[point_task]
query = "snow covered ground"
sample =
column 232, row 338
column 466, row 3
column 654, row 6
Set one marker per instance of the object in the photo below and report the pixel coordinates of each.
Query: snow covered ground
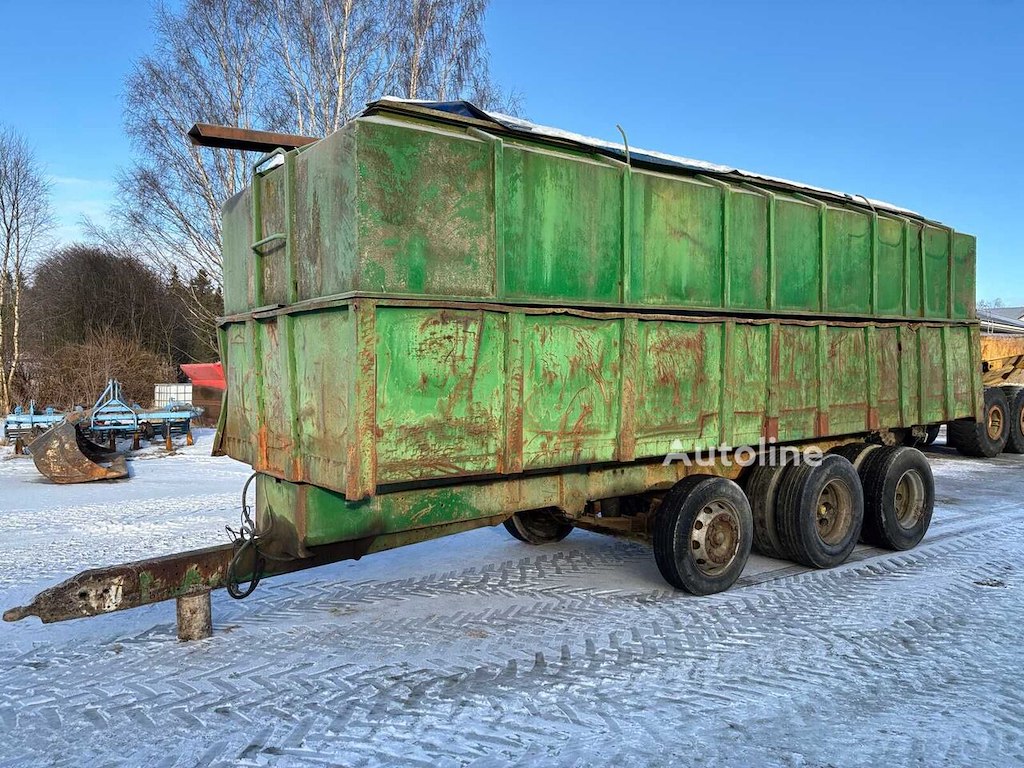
column 481, row 650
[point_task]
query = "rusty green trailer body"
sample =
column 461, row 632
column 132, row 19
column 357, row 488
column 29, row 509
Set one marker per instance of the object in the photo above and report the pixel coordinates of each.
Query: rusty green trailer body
column 397, row 206
column 433, row 321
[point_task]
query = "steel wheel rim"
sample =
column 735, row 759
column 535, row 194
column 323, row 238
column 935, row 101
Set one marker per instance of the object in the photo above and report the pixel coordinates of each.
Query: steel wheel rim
column 994, row 422
column 834, row 512
column 909, row 499
column 715, row 537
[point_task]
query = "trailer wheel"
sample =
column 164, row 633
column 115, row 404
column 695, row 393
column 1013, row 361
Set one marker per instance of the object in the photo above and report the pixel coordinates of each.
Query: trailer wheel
column 1015, row 420
column 899, row 497
column 762, row 490
column 702, row 534
column 933, row 434
column 987, row 437
column 820, row 511
column 539, row 526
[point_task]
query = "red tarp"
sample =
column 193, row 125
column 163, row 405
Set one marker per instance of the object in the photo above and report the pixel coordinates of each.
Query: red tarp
column 206, row 375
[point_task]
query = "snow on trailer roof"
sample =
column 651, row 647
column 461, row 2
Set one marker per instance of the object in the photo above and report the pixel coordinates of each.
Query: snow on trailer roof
column 463, row 111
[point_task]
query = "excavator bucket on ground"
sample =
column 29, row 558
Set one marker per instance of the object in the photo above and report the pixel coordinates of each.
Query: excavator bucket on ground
column 65, row 455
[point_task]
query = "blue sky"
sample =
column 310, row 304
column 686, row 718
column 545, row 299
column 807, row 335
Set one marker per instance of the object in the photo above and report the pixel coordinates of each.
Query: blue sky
column 918, row 103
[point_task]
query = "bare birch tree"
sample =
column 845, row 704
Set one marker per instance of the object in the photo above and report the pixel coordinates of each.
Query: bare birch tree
column 208, row 64
column 300, row 66
column 25, row 220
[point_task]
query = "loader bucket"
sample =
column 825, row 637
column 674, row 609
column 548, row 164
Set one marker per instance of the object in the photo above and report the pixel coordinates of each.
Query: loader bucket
column 65, row 455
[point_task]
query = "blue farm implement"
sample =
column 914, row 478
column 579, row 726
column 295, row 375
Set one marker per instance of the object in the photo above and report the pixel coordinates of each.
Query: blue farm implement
column 113, row 416
column 23, row 423
column 83, row 448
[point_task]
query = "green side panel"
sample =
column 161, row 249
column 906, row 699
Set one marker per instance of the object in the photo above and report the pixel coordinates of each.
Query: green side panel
column 322, row 516
column 324, row 231
column 680, row 259
column 440, row 392
column 748, row 250
column 891, row 268
column 962, row 374
column 910, row 368
column 677, row 386
column 886, row 352
column 964, row 247
column 271, row 261
column 324, row 343
column 570, row 390
column 449, row 393
column 425, row 208
column 562, row 227
column 915, row 270
column 276, row 441
column 746, row 385
column 236, row 237
column 410, row 207
column 797, row 256
column 936, row 272
column 848, row 250
column 797, row 389
column 845, row 379
column 933, row 382
column 243, row 413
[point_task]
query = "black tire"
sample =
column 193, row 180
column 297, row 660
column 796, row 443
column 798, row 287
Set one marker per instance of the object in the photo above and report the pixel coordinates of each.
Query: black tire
column 854, row 452
column 985, row 438
column 933, row 434
column 539, row 526
column 1015, row 419
column 899, row 497
column 696, row 508
column 819, row 511
column 762, row 489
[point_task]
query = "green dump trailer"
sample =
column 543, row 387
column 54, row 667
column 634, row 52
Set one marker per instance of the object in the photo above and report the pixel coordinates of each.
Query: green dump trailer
column 439, row 319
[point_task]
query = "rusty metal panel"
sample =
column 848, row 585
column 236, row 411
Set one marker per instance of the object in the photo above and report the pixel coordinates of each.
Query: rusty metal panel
column 570, row 390
column 849, row 273
column 677, row 386
column 747, row 253
column 932, row 372
column 426, row 211
column 936, row 258
column 324, row 390
column 890, row 255
column 888, row 388
column 324, row 221
column 235, row 253
column 797, row 256
column 678, row 261
column 910, row 369
column 798, row 382
column 962, row 374
column 562, row 227
column 845, row 380
column 412, row 207
column 440, row 393
column 745, row 382
column 964, row 253
column 914, row 268
column 242, row 411
column 271, row 261
column 356, row 394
